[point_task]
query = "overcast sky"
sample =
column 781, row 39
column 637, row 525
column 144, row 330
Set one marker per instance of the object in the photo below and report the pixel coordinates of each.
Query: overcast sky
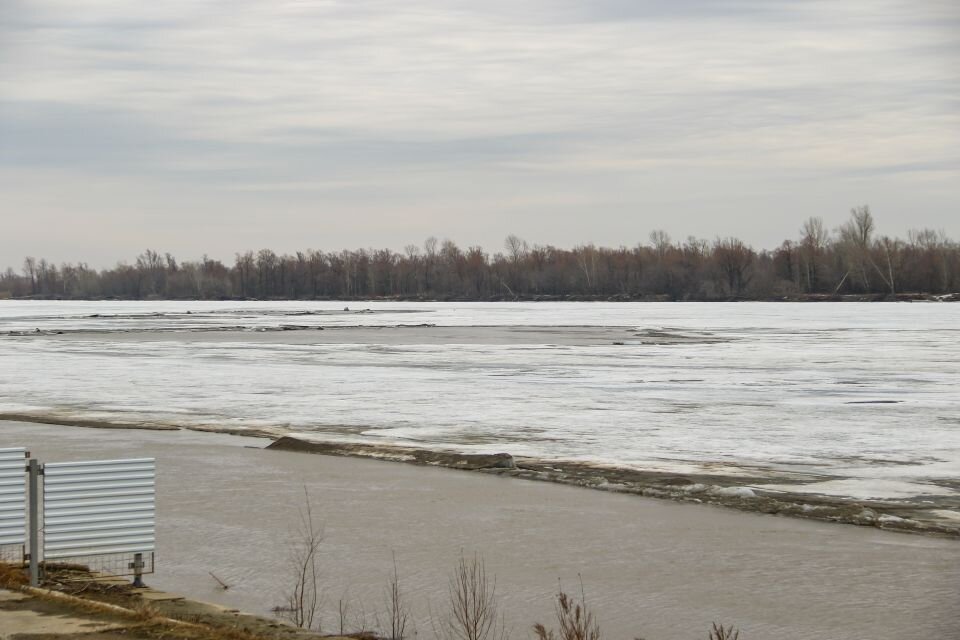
column 216, row 126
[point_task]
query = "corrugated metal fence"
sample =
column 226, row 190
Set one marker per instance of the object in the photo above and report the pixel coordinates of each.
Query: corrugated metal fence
column 98, row 507
column 13, row 492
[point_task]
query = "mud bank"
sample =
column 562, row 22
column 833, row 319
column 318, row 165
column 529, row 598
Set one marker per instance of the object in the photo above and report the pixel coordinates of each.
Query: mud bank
column 742, row 492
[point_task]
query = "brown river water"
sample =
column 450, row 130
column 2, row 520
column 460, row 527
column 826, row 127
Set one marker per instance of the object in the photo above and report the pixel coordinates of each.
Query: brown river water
column 649, row 568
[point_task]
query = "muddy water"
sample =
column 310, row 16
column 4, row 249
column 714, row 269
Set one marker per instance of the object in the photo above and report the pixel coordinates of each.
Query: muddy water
column 650, row 568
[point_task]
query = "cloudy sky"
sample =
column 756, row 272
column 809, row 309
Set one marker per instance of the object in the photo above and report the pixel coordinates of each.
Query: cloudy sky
column 215, row 126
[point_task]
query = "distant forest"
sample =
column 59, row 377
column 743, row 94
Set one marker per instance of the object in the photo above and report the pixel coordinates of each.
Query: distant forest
column 819, row 264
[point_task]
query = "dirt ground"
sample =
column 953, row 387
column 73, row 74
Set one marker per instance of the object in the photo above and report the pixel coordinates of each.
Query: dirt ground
column 75, row 605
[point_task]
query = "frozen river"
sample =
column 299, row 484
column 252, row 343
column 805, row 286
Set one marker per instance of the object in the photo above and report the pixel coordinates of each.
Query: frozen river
column 867, row 395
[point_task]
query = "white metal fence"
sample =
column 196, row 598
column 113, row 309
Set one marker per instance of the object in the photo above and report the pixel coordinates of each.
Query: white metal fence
column 98, row 507
column 100, row 511
column 13, row 492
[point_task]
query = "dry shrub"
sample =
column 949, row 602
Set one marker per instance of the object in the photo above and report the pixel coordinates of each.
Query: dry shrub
column 575, row 620
column 721, row 633
column 146, row 612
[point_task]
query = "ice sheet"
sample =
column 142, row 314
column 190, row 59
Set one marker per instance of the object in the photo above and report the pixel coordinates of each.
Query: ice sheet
column 862, row 391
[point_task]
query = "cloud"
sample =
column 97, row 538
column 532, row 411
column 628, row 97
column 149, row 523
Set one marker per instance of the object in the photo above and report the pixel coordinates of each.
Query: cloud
column 428, row 96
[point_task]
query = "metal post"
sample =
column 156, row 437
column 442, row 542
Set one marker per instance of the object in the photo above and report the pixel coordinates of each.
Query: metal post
column 137, row 567
column 33, row 470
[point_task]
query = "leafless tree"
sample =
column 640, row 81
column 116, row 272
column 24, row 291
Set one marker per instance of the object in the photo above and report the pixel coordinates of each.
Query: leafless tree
column 733, row 259
column 473, row 604
column 891, row 249
column 30, row 271
column 856, row 238
column 661, row 242
column 304, row 600
column 587, row 259
column 516, row 248
column 398, row 615
column 813, row 240
column 856, row 260
column 358, row 625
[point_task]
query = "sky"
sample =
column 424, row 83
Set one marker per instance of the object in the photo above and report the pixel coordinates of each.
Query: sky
column 216, row 126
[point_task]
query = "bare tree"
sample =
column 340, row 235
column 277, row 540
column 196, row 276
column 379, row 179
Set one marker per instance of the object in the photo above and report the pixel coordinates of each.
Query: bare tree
column 152, row 271
column 517, row 250
column 304, row 600
column 244, row 268
column 473, row 603
column 587, row 260
column 857, row 259
column 516, row 247
column 661, row 242
column 856, row 237
column 30, row 271
column 813, row 240
column 397, row 610
column 356, row 628
column 429, row 262
column 891, row 253
column 936, row 249
column 733, row 259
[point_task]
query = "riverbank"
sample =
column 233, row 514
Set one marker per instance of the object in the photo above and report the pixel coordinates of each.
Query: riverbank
column 660, row 569
column 76, row 604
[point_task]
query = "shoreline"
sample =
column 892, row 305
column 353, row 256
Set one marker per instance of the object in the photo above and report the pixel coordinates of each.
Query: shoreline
column 74, row 602
column 737, row 491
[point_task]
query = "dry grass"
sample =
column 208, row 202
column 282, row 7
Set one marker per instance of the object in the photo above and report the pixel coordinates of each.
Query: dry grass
column 12, row 576
column 473, row 613
column 144, row 620
column 575, row 620
column 146, row 612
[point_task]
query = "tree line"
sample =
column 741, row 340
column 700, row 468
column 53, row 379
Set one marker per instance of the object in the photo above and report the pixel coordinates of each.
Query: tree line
column 852, row 259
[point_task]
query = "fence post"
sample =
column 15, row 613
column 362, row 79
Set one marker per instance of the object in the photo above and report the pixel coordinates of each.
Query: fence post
column 137, row 567
column 34, row 476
